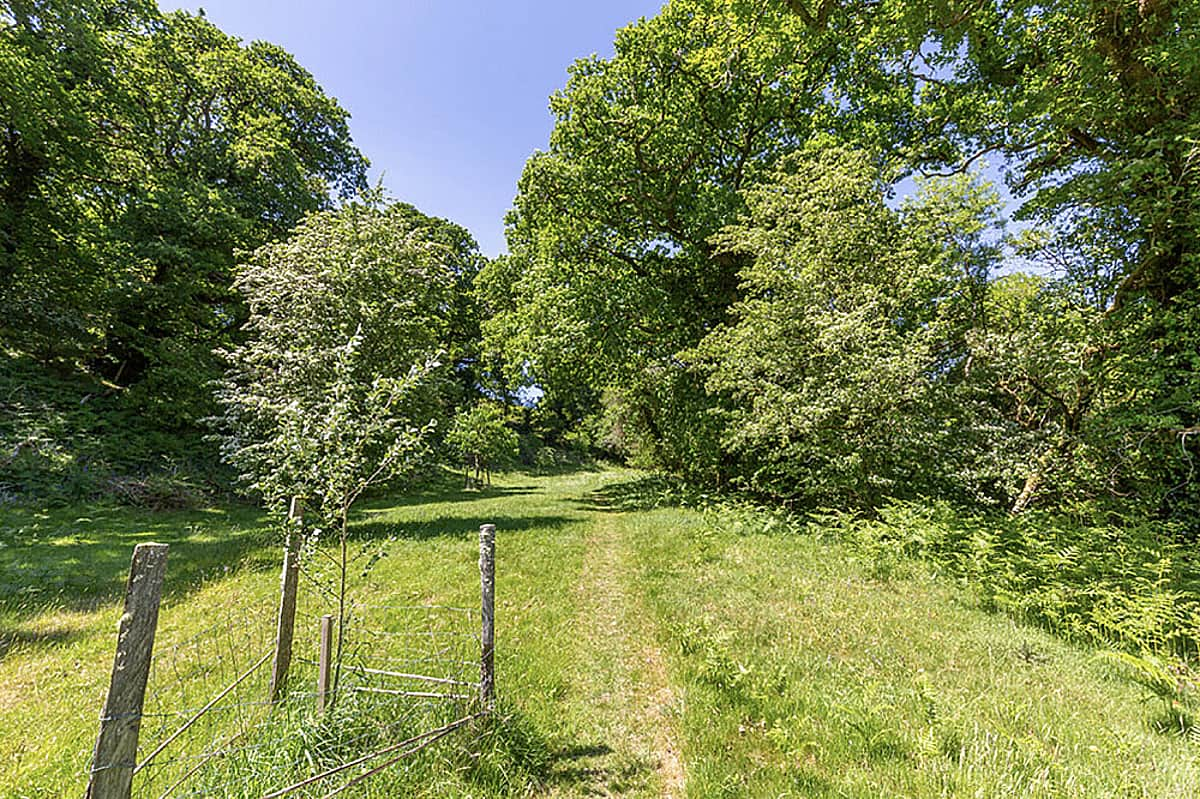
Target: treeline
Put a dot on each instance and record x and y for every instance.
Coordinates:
(150, 167)
(718, 269)
(757, 253)
(139, 153)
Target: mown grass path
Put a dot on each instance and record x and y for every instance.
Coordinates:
(642, 651)
(622, 676)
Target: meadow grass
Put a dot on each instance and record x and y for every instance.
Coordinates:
(641, 651)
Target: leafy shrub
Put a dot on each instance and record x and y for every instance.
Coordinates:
(482, 440)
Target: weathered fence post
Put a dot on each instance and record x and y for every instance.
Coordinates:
(487, 638)
(324, 664)
(115, 757)
(286, 623)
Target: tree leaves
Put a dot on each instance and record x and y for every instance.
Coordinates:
(334, 389)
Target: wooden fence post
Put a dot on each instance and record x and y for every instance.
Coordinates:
(286, 623)
(115, 756)
(487, 638)
(324, 664)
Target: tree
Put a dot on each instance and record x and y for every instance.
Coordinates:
(1092, 107)
(842, 365)
(483, 441)
(616, 270)
(238, 143)
(332, 393)
(64, 104)
(140, 152)
(612, 269)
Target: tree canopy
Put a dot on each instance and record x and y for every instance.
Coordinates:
(747, 312)
(141, 151)
(760, 248)
(333, 389)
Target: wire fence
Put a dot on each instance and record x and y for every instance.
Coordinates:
(206, 702)
(211, 724)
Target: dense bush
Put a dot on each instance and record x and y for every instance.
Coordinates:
(844, 367)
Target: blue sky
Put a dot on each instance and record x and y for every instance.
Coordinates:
(447, 99)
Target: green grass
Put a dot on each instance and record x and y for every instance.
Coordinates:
(641, 651)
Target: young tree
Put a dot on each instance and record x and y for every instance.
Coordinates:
(332, 392)
(481, 438)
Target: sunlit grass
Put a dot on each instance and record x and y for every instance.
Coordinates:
(807, 676)
(776, 664)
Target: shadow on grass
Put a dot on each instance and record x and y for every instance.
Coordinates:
(440, 485)
(440, 496)
(456, 527)
(563, 469)
(448, 485)
(597, 770)
(511, 746)
(78, 558)
(643, 493)
(22, 639)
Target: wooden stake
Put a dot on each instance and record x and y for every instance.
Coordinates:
(324, 664)
(286, 621)
(115, 756)
(487, 638)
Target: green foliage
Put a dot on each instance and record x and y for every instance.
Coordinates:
(612, 271)
(497, 753)
(238, 143)
(844, 361)
(790, 669)
(808, 674)
(1095, 106)
(481, 438)
(331, 393)
(140, 151)
(67, 437)
(1129, 586)
(1131, 589)
(1171, 682)
(852, 350)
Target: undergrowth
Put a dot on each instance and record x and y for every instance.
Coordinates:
(499, 753)
(1131, 590)
(70, 438)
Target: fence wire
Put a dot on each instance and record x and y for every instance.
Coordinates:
(408, 677)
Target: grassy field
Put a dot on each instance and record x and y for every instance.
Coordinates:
(641, 651)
